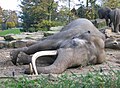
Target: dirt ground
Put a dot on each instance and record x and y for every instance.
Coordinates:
(7, 69)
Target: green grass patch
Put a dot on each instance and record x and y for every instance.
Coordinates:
(10, 31)
(90, 80)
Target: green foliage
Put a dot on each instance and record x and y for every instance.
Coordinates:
(89, 12)
(95, 79)
(81, 11)
(46, 24)
(101, 25)
(10, 24)
(44, 14)
(10, 18)
(35, 14)
(32, 29)
(0, 20)
(10, 31)
(112, 3)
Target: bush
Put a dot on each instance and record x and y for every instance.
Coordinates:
(10, 24)
(45, 25)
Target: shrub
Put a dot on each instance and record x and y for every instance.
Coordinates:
(10, 24)
(45, 25)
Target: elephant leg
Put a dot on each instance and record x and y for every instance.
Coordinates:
(119, 27)
(42, 45)
(107, 22)
(110, 23)
(14, 54)
(23, 58)
(116, 28)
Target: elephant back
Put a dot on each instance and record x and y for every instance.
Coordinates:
(104, 12)
(82, 25)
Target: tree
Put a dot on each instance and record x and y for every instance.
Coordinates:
(0, 18)
(0, 15)
(13, 18)
(89, 11)
(111, 3)
(9, 16)
(35, 11)
(10, 24)
(81, 10)
(68, 9)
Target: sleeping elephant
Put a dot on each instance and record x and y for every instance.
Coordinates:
(78, 43)
(115, 19)
(103, 13)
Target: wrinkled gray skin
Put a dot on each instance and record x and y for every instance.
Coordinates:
(103, 13)
(71, 52)
(115, 19)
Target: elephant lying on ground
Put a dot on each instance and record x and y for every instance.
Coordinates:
(103, 13)
(78, 43)
(115, 19)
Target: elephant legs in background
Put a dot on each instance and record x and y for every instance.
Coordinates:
(117, 28)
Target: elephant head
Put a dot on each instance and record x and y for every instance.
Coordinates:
(103, 13)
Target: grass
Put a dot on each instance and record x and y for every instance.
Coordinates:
(90, 80)
(10, 31)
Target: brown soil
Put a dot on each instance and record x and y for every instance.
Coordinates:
(8, 69)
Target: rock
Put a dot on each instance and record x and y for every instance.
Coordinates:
(17, 44)
(34, 36)
(3, 44)
(112, 43)
(112, 39)
(9, 37)
(21, 43)
(58, 28)
(2, 39)
(48, 33)
(20, 40)
(108, 33)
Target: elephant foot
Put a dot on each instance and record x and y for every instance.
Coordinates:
(23, 58)
(14, 55)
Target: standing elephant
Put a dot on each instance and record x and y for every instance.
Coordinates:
(103, 13)
(115, 19)
(78, 43)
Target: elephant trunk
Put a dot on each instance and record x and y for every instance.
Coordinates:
(39, 54)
